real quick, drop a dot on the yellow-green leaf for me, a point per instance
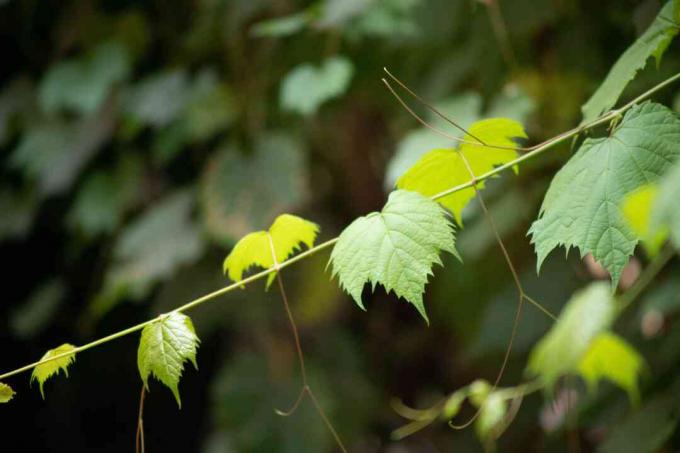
(637, 208)
(610, 357)
(441, 169)
(46, 370)
(6, 393)
(287, 233)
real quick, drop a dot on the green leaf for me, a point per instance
(653, 42)
(637, 208)
(232, 205)
(665, 212)
(6, 393)
(395, 247)
(306, 87)
(588, 313)
(582, 207)
(441, 169)
(82, 85)
(610, 357)
(491, 416)
(46, 370)
(287, 233)
(164, 347)
(280, 27)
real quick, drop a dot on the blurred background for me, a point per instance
(139, 140)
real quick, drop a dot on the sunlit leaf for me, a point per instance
(582, 207)
(441, 169)
(6, 393)
(637, 208)
(588, 313)
(306, 87)
(653, 42)
(610, 357)
(164, 346)
(46, 370)
(666, 212)
(286, 234)
(395, 247)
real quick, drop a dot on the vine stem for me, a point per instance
(139, 438)
(301, 358)
(534, 151)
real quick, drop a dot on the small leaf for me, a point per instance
(395, 247)
(637, 208)
(453, 403)
(610, 357)
(665, 211)
(491, 415)
(589, 312)
(306, 87)
(254, 249)
(6, 393)
(653, 42)
(164, 346)
(46, 370)
(441, 169)
(582, 207)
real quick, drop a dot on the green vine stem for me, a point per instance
(534, 151)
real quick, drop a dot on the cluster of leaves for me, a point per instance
(144, 212)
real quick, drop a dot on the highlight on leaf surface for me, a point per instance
(6, 393)
(637, 208)
(164, 346)
(653, 42)
(287, 234)
(582, 207)
(610, 357)
(46, 370)
(588, 313)
(395, 247)
(441, 169)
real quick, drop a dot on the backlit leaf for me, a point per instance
(582, 207)
(637, 208)
(610, 357)
(164, 346)
(287, 234)
(441, 169)
(46, 370)
(395, 247)
(6, 393)
(588, 313)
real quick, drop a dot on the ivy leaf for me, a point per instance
(610, 357)
(6, 393)
(46, 370)
(441, 169)
(164, 347)
(653, 42)
(254, 249)
(582, 207)
(306, 87)
(637, 208)
(395, 247)
(589, 312)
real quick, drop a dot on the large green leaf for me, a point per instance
(582, 207)
(588, 313)
(395, 247)
(164, 346)
(653, 42)
(441, 169)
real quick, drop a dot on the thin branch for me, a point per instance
(534, 151)
(139, 438)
